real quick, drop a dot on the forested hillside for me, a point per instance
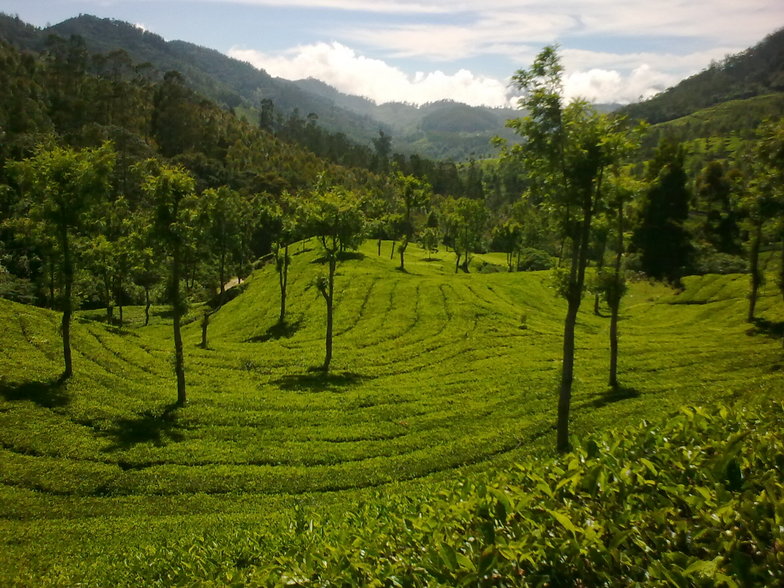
(239, 85)
(755, 72)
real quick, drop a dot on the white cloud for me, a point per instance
(597, 77)
(602, 85)
(351, 73)
(514, 26)
(513, 31)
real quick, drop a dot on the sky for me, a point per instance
(420, 51)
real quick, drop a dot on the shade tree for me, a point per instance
(171, 193)
(568, 147)
(64, 184)
(465, 220)
(334, 217)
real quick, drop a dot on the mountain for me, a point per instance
(230, 82)
(445, 129)
(442, 130)
(755, 72)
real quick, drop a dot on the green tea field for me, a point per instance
(436, 377)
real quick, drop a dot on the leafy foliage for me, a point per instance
(690, 502)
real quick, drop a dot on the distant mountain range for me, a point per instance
(441, 130)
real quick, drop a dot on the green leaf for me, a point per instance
(448, 556)
(504, 504)
(650, 466)
(564, 520)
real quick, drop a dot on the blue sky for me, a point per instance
(424, 50)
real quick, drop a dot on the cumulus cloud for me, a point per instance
(689, 35)
(351, 73)
(602, 85)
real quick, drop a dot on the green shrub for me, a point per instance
(534, 259)
(696, 501)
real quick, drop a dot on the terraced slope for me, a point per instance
(432, 371)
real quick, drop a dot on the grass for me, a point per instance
(436, 376)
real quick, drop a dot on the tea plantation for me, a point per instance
(424, 458)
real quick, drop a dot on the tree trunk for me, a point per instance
(205, 323)
(179, 359)
(379, 247)
(756, 274)
(51, 285)
(574, 298)
(283, 280)
(146, 306)
(457, 263)
(567, 376)
(329, 298)
(67, 304)
(107, 296)
(392, 252)
(613, 380)
(599, 268)
(615, 301)
(222, 272)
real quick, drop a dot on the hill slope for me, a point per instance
(757, 71)
(227, 81)
(432, 371)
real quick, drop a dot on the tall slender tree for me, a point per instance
(567, 150)
(335, 218)
(64, 184)
(171, 191)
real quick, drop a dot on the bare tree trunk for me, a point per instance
(599, 268)
(756, 273)
(283, 280)
(67, 303)
(205, 323)
(379, 247)
(457, 262)
(146, 306)
(179, 358)
(329, 298)
(574, 298)
(567, 376)
(613, 380)
(51, 285)
(392, 252)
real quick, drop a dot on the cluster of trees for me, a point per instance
(573, 157)
(123, 186)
